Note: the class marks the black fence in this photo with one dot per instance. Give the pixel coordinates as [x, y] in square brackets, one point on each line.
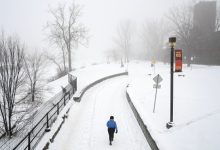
[33, 137]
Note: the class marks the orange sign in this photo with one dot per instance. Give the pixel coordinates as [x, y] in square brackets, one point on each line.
[178, 60]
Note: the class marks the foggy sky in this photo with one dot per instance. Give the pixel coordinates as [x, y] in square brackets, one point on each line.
[27, 18]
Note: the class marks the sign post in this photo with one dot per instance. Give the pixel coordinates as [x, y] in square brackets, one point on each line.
[172, 41]
[157, 79]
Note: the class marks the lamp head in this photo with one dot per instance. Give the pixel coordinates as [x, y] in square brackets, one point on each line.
[172, 41]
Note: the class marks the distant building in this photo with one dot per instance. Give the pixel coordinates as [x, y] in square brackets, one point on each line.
[205, 17]
[209, 50]
[206, 47]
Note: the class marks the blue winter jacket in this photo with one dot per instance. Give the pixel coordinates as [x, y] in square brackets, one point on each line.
[112, 124]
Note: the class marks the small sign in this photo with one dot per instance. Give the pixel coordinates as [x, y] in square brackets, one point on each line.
[158, 86]
[157, 79]
[178, 61]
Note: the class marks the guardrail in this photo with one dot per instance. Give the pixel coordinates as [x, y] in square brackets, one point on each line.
[33, 137]
[43, 125]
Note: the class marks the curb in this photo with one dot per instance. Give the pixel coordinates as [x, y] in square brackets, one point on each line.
[78, 98]
[144, 129]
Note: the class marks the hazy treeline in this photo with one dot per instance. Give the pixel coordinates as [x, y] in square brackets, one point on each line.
[21, 84]
[22, 80]
[149, 40]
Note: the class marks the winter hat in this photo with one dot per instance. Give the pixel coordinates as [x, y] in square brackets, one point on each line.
[111, 117]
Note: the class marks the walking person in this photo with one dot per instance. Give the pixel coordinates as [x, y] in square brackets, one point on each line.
[112, 128]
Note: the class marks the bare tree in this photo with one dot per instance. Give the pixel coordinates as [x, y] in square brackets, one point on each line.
[34, 65]
[153, 38]
[182, 18]
[123, 39]
[64, 54]
[65, 29]
[11, 73]
[112, 53]
[52, 58]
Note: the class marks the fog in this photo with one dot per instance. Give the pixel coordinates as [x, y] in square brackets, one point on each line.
[27, 19]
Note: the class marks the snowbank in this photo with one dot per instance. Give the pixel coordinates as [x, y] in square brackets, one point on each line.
[196, 105]
[85, 76]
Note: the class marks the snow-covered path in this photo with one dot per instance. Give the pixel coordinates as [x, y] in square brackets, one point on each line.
[85, 128]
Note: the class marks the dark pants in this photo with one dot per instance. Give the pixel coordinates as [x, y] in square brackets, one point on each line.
[111, 132]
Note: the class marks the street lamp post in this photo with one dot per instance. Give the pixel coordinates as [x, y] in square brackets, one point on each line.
[172, 42]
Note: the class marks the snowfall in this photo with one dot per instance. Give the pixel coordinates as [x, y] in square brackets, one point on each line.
[196, 109]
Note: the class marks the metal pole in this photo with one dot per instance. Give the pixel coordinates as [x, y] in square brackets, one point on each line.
[76, 84]
[58, 108]
[29, 141]
[47, 121]
[64, 98]
[155, 94]
[47, 128]
[171, 85]
[172, 41]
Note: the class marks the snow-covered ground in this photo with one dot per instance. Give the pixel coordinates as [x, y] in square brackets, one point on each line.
[196, 109]
[196, 105]
[85, 76]
[85, 128]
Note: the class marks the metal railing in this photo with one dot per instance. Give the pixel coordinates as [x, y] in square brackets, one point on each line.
[33, 137]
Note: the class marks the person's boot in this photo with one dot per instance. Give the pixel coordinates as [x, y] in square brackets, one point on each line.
[110, 143]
